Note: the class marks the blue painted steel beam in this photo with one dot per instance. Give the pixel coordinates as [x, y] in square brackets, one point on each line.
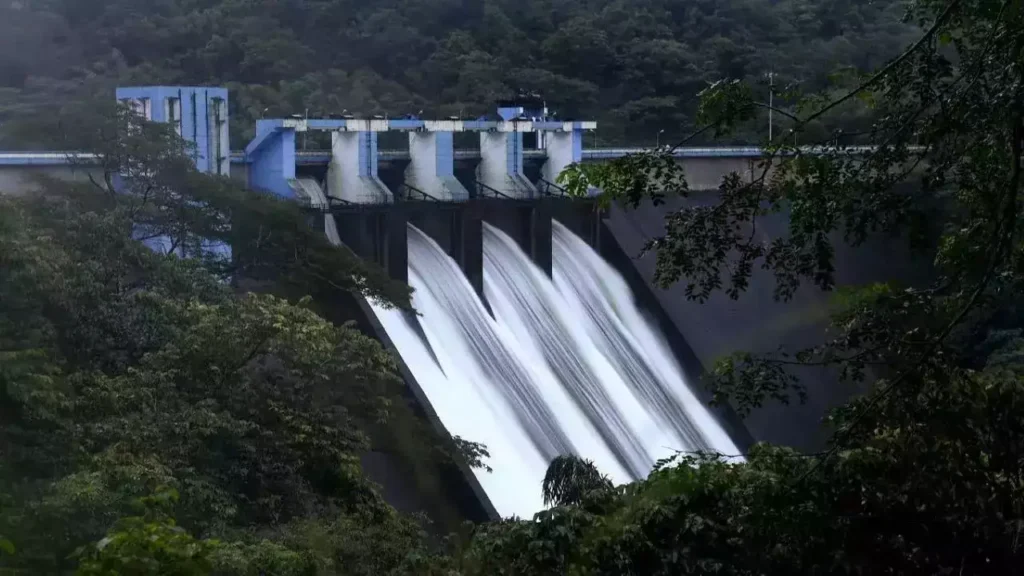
[45, 158]
[322, 157]
[303, 124]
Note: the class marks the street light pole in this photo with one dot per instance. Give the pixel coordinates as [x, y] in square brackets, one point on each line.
[771, 102]
[658, 141]
[306, 128]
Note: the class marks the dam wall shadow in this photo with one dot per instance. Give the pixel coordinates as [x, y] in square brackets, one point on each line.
[756, 321]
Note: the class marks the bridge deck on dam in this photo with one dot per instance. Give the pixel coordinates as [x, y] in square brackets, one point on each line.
[704, 167]
[323, 157]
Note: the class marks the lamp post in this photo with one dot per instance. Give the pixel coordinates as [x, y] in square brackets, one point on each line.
[771, 102]
[658, 139]
[305, 119]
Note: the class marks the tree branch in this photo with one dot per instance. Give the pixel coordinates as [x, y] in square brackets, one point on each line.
[878, 76]
[774, 109]
[1008, 216]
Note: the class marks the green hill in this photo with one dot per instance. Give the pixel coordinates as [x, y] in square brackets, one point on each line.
[635, 65]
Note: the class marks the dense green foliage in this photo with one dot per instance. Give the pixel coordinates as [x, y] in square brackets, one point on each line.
[635, 65]
[924, 474]
[569, 480]
[125, 369]
[148, 544]
[135, 378]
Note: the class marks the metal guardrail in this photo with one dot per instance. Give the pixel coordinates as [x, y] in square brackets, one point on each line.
[485, 191]
[409, 192]
[324, 156]
[45, 158]
[551, 189]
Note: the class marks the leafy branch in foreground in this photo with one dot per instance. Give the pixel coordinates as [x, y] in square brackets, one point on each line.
[570, 479]
[472, 453]
[144, 171]
[941, 169]
[149, 544]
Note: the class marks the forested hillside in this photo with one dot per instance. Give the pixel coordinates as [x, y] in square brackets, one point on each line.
[155, 419]
[635, 65]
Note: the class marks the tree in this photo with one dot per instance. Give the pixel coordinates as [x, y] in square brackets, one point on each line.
[570, 479]
[923, 474]
[124, 369]
[609, 60]
[148, 544]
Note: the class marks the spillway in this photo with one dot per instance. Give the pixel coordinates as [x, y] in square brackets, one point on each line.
[566, 365]
[525, 301]
[599, 293]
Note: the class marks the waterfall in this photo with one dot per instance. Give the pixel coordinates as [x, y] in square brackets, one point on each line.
[598, 292]
[467, 409]
[524, 299]
[466, 320]
[567, 365]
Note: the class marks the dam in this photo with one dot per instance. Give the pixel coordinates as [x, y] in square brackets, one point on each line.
[540, 333]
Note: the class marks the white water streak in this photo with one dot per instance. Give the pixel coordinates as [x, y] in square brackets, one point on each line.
[524, 298]
[468, 411]
[590, 285]
[569, 366]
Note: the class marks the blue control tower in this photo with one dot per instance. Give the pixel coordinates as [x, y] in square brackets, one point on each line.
[199, 114]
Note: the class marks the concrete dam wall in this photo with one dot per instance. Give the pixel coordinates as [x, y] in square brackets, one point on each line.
[756, 322]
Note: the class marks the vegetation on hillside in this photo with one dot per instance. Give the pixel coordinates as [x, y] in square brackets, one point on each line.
[634, 65]
[154, 420]
[129, 374]
[924, 474]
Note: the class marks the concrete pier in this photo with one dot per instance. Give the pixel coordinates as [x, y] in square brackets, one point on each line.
[432, 162]
[352, 174]
[376, 233]
[501, 163]
[564, 148]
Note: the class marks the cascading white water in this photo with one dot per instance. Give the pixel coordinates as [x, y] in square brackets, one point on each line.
[524, 299]
[467, 409]
[466, 320]
[569, 366]
[596, 290]
[513, 399]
